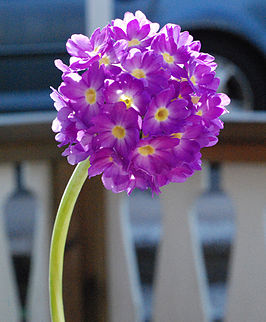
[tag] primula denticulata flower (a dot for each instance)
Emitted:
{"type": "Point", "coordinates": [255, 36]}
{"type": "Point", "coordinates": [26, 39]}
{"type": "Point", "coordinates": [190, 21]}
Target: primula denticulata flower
{"type": "Point", "coordinates": [139, 102]}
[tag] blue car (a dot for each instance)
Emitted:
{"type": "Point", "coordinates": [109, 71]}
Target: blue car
{"type": "Point", "coordinates": [33, 33]}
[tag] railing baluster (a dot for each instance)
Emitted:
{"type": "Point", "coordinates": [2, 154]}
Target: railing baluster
{"type": "Point", "coordinates": [125, 302]}
{"type": "Point", "coordinates": [9, 301]}
{"type": "Point", "coordinates": [246, 184]}
{"type": "Point", "coordinates": [38, 180]}
{"type": "Point", "coordinates": [9, 305]}
{"type": "Point", "coordinates": [180, 286]}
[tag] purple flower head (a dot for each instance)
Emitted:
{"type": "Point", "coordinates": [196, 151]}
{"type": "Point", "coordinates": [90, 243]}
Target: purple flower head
{"type": "Point", "coordinates": [138, 102]}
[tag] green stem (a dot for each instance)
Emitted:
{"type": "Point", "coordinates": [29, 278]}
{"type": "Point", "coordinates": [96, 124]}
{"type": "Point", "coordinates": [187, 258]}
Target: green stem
{"type": "Point", "coordinates": [59, 239]}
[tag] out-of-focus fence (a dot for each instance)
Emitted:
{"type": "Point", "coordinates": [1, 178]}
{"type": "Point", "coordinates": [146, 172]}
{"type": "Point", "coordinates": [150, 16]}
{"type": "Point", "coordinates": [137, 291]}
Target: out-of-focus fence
{"type": "Point", "coordinates": [101, 281]}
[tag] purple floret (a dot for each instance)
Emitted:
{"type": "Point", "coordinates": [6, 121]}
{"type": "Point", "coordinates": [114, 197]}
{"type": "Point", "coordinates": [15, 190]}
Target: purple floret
{"type": "Point", "coordinates": [117, 127]}
{"type": "Point", "coordinates": [166, 114]}
{"type": "Point", "coordinates": [129, 90]}
{"type": "Point", "coordinates": [136, 29]}
{"type": "Point", "coordinates": [85, 92]}
{"type": "Point", "coordinates": [171, 46]}
{"type": "Point", "coordinates": [147, 67]}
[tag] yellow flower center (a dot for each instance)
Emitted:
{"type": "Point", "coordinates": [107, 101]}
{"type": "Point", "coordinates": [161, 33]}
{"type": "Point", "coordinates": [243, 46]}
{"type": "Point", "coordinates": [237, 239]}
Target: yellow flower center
{"type": "Point", "coordinates": [138, 73]}
{"type": "Point", "coordinates": [146, 150]}
{"type": "Point", "coordinates": [143, 136]}
{"type": "Point", "coordinates": [119, 132]}
{"type": "Point", "coordinates": [128, 100]}
{"type": "Point", "coordinates": [90, 96]}
{"type": "Point", "coordinates": [195, 99]}
{"type": "Point", "coordinates": [168, 58]}
{"type": "Point", "coordinates": [177, 135]}
{"type": "Point", "coordinates": [193, 79]}
{"type": "Point", "coordinates": [104, 60]}
{"type": "Point", "coordinates": [133, 42]}
{"type": "Point", "coordinates": [182, 79]}
{"type": "Point", "coordinates": [199, 113]}
{"type": "Point", "coordinates": [161, 114]}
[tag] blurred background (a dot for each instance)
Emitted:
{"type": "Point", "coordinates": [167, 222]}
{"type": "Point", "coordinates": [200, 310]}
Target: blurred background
{"type": "Point", "coordinates": [168, 258]}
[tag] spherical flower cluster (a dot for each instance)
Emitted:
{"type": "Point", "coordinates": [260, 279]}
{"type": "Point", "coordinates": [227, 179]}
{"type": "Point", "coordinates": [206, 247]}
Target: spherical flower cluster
{"type": "Point", "coordinates": [139, 102]}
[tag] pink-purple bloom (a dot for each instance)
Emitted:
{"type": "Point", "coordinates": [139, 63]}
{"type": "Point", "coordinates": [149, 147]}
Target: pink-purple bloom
{"type": "Point", "coordinates": [136, 30]}
{"type": "Point", "coordinates": [117, 128]}
{"type": "Point", "coordinates": [166, 114]}
{"type": "Point", "coordinates": [139, 102]}
{"type": "Point", "coordinates": [172, 46]}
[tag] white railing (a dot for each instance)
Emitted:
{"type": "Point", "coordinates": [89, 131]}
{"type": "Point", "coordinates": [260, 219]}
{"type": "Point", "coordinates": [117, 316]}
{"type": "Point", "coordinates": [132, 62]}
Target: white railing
{"type": "Point", "coordinates": [37, 176]}
{"type": "Point", "coordinates": [181, 292]}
